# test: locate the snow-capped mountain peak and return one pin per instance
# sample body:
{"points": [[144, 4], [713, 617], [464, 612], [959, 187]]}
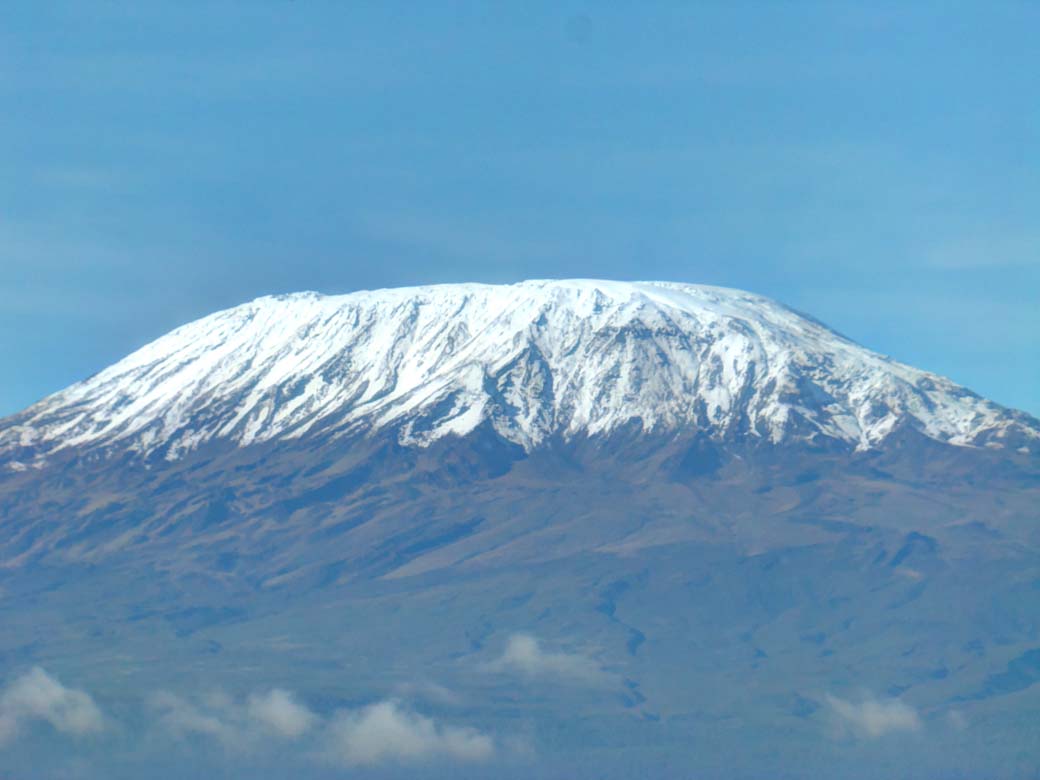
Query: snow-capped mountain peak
{"points": [[535, 360]]}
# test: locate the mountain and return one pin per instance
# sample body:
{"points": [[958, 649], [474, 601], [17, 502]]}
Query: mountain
{"points": [[535, 361], [575, 528]]}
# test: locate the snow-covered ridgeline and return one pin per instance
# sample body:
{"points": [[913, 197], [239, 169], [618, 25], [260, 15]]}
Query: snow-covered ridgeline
{"points": [[536, 359]]}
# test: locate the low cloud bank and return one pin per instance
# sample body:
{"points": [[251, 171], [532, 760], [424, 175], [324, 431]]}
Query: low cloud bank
{"points": [[524, 654], [387, 732], [37, 696], [872, 718]]}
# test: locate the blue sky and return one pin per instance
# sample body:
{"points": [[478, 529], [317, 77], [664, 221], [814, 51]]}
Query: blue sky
{"points": [[874, 164]]}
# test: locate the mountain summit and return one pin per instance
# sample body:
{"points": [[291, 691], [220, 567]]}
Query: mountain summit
{"points": [[536, 361]]}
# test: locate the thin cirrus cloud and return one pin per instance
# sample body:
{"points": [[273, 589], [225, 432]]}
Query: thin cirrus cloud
{"points": [[524, 655], [37, 697], [871, 718]]}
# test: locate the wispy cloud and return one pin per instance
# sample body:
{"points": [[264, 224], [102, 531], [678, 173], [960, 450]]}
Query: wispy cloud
{"points": [[871, 718], [429, 692], [37, 696], [523, 654], [235, 724], [180, 717], [388, 732]]}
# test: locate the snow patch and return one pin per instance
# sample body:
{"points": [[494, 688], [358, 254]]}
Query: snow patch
{"points": [[535, 359]]}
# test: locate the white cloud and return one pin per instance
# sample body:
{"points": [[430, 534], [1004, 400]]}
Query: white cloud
{"points": [[37, 696], [429, 692], [386, 732], [279, 712], [873, 718], [234, 724], [179, 717], [524, 654]]}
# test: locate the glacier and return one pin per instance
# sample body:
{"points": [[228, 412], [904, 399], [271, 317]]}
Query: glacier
{"points": [[535, 360]]}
